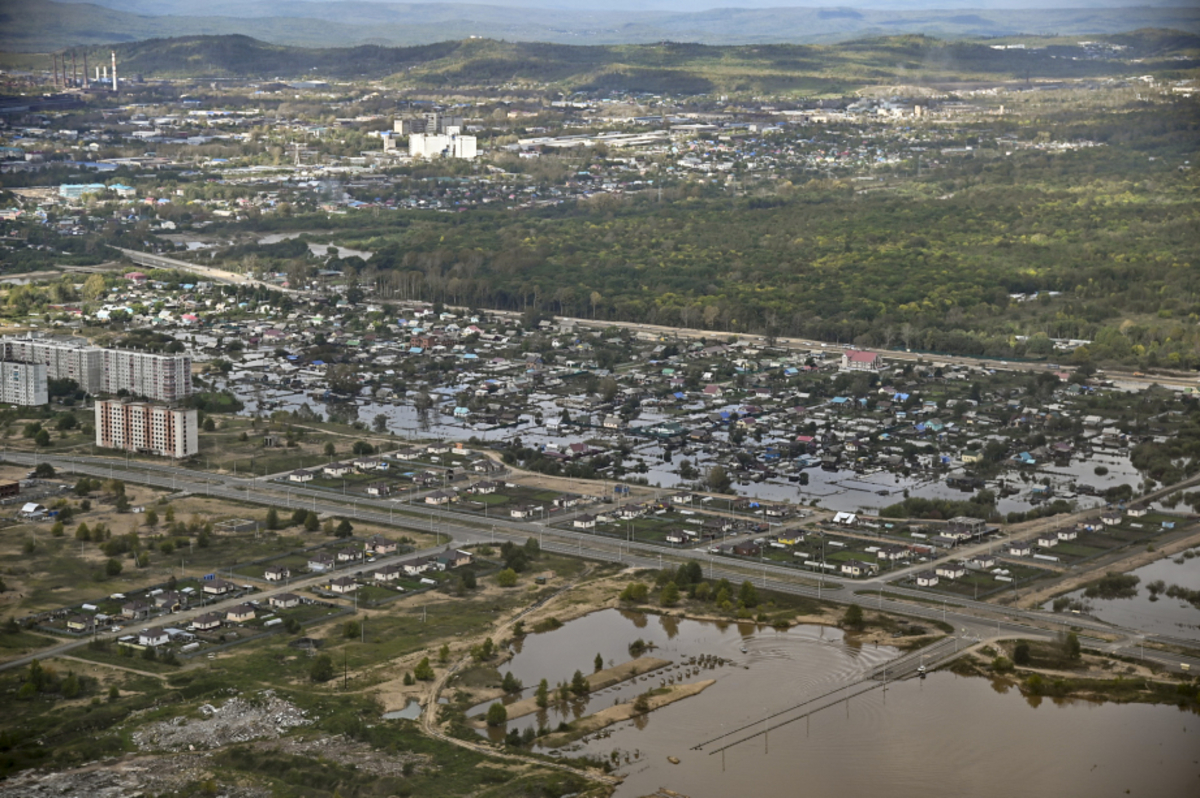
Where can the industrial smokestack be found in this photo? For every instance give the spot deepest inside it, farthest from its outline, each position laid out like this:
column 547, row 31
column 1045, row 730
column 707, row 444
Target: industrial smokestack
column 74, row 71
column 55, row 55
column 85, row 80
column 114, row 60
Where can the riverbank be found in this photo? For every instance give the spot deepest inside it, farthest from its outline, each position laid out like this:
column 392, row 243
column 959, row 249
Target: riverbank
column 596, row 681
column 655, row 699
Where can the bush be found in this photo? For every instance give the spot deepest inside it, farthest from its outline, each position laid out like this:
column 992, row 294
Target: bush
column 321, row 669
column 423, row 671
column 1021, row 654
column 497, row 715
column 853, row 619
column 507, row 578
column 635, row 592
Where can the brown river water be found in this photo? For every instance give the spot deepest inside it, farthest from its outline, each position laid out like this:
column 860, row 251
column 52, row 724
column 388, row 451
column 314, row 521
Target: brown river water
column 941, row 736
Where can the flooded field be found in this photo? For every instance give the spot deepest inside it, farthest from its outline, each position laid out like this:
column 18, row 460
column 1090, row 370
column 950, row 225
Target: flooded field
column 1166, row 615
column 939, row 736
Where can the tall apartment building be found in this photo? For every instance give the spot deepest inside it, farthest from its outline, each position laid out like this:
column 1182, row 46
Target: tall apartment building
column 146, row 428
column 64, row 358
column 163, row 378
column 23, row 383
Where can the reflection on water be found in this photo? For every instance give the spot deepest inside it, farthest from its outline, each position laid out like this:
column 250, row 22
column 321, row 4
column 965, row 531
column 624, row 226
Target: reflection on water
column 945, row 735
column 1169, row 616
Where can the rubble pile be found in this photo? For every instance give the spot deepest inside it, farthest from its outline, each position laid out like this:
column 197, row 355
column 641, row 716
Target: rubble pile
column 236, row 721
column 127, row 778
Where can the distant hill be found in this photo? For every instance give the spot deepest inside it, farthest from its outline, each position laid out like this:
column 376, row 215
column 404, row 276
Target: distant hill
column 43, row 25
column 664, row 67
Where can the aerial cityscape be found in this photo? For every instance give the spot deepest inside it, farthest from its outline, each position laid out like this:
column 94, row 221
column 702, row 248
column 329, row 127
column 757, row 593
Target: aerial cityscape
column 539, row 399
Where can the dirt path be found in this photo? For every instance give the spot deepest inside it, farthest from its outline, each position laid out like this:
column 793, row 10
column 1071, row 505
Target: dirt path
column 159, row 676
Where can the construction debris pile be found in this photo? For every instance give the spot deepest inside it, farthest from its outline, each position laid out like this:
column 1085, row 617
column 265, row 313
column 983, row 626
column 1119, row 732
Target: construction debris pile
column 238, row 720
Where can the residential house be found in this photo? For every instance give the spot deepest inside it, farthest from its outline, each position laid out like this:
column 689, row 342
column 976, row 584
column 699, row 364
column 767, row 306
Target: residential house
column 277, row 573
column 950, row 570
column 1047, row 540
column 322, row 561
column 343, row 584
column 379, row 489
column 207, row 622
column 284, row 601
column 380, row 546
column 440, row 497
column 136, row 610
column 857, row 568
column 1020, row 548
column 153, row 637
column 240, row 614
column 927, row 579
column 301, row 475
column 388, row 573
column 584, row 521
column 453, row 559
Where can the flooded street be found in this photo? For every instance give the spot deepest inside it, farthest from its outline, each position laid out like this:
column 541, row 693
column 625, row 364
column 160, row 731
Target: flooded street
column 945, row 735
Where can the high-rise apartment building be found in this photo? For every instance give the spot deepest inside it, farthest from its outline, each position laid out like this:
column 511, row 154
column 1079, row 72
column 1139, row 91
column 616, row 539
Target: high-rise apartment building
column 146, row 428
column 23, row 383
column 163, row 378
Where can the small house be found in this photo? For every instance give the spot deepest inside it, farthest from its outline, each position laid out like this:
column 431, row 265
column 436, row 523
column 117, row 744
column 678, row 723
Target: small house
column 343, row 584
column 284, row 601
column 153, row 637
column 240, row 614
column 927, row 579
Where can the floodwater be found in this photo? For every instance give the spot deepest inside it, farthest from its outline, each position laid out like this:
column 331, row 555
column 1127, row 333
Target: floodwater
column 411, row 711
column 944, row 735
column 1167, row 616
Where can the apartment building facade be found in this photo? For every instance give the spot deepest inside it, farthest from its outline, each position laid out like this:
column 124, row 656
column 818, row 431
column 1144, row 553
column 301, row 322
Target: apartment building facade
column 146, row 428
column 159, row 377
column 23, row 383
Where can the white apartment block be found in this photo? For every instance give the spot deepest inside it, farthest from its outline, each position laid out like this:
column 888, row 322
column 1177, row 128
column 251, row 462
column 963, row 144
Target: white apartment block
column 23, row 383
column 146, row 428
column 162, row 378
column 454, row 145
column 64, row 358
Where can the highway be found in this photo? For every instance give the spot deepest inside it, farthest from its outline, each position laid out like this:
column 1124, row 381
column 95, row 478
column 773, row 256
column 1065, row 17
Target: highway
column 972, row 620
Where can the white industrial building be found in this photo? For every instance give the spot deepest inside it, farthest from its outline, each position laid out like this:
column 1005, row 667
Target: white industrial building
column 441, row 145
column 146, row 428
column 23, row 383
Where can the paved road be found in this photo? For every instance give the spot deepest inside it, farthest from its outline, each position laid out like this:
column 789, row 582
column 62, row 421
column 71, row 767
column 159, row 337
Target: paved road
column 974, row 619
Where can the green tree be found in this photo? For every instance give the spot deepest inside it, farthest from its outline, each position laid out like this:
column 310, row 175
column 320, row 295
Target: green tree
column 444, row 653
column 497, row 715
column 1071, row 648
column 42, row 438
column 1021, row 654
column 113, row 567
column 344, row 529
column 598, row 663
column 507, row 578
column 272, row 519
column 321, row 669
column 853, row 618
column 209, row 425
column 670, row 595
column 424, row 670
column 82, row 532
column 579, row 684
column 543, row 694
column 330, row 449
column 151, row 519
column 511, row 683
column 635, row 592
column 311, row 522
column 748, row 595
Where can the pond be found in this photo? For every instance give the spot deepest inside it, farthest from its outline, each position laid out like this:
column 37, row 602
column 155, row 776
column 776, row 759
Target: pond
column 945, row 735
